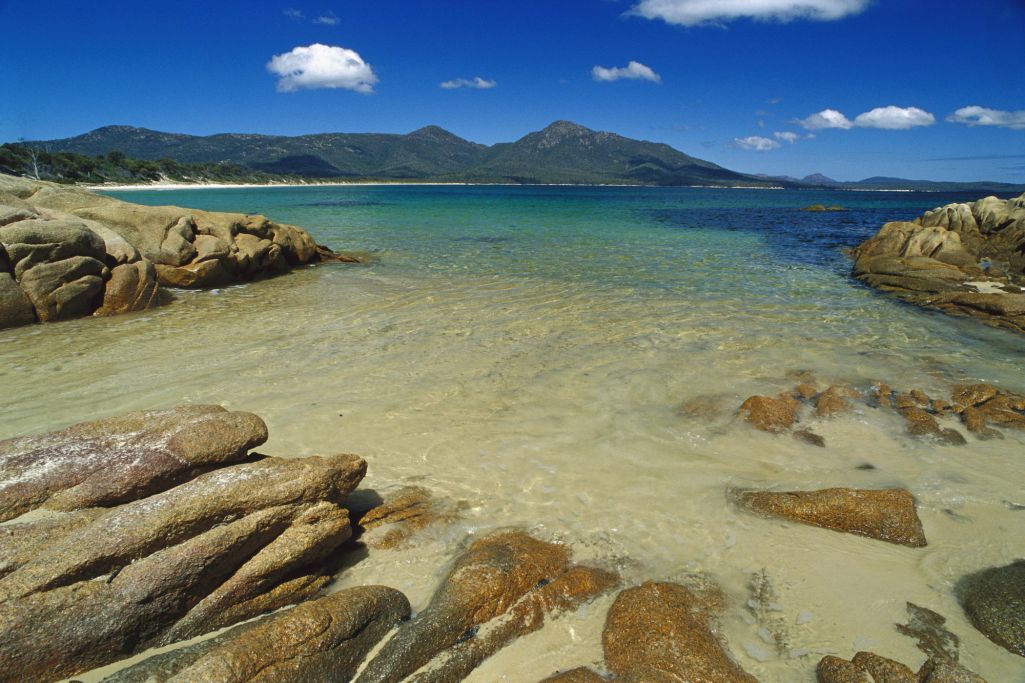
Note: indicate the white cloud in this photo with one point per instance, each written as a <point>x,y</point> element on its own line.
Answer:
<point>294,14</point>
<point>756,143</point>
<point>786,136</point>
<point>478,82</point>
<point>698,12</point>
<point>827,118</point>
<point>886,118</point>
<point>329,19</point>
<point>634,71</point>
<point>984,116</point>
<point>322,66</point>
<point>894,118</point>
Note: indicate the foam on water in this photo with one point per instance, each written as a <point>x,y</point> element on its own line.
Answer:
<point>527,350</point>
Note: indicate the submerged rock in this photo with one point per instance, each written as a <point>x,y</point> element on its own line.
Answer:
<point>930,634</point>
<point>868,667</point>
<point>123,458</point>
<point>661,632</point>
<point>770,414</point>
<point>922,423</point>
<point>940,670</point>
<point>809,437</point>
<point>510,575</point>
<point>821,208</point>
<point>579,675</point>
<point>973,394</point>
<point>401,515</point>
<point>1005,410</point>
<point>884,514</point>
<point>994,600</point>
<point>322,640</point>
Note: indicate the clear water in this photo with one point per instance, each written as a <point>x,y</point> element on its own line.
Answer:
<point>526,350</point>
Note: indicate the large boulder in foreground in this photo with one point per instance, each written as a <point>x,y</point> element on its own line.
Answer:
<point>506,583</point>
<point>123,458</point>
<point>885,514</point>
<point>966,259</point>
<point>994,600</point>
<point>75,253</point>
<point>661,632</point>
<point>227,546</point>
<point>322,640</point>
<point>15,307</point>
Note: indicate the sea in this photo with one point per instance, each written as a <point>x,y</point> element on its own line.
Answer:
<point>526,353</point>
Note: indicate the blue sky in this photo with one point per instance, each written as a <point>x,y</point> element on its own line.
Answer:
<point>738,82</point>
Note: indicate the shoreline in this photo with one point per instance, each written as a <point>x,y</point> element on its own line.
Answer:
<point>165,186</point>
<point>170,186</point>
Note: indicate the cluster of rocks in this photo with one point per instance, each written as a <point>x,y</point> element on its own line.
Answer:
<point>993,599</point>
<point>980,408</point>
<point>158,527</point>
<point>868,667</point>
<point>66,253</point>
<point>966,259</point>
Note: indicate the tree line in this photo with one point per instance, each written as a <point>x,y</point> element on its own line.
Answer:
<point>115,167</point>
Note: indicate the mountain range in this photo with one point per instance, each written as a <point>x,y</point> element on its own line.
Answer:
<point>564,152</point>
<point>887,184</point>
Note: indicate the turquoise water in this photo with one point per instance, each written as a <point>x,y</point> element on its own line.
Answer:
<point>526,351</point>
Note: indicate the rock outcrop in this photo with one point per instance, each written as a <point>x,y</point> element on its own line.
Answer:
<point>322,640</point>
<point>123,458</point>
<point>966,259</point>
<point>994,600</point>
<point>502,587</point>
<point>884,514</point>
<point>65,252</point>
<point>202,535</point>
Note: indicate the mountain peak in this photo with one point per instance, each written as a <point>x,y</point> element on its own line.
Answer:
<point>818,179</point>
<point>437,134</point>
<point>430,131</point>
<point>566,128</point>
<point>117,130</point>
<point>558,133</point>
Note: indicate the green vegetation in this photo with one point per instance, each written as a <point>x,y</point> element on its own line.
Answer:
<point>115,167</point>
<point>563,152</point>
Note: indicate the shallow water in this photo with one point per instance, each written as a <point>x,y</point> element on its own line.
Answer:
<point>527,350</point>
